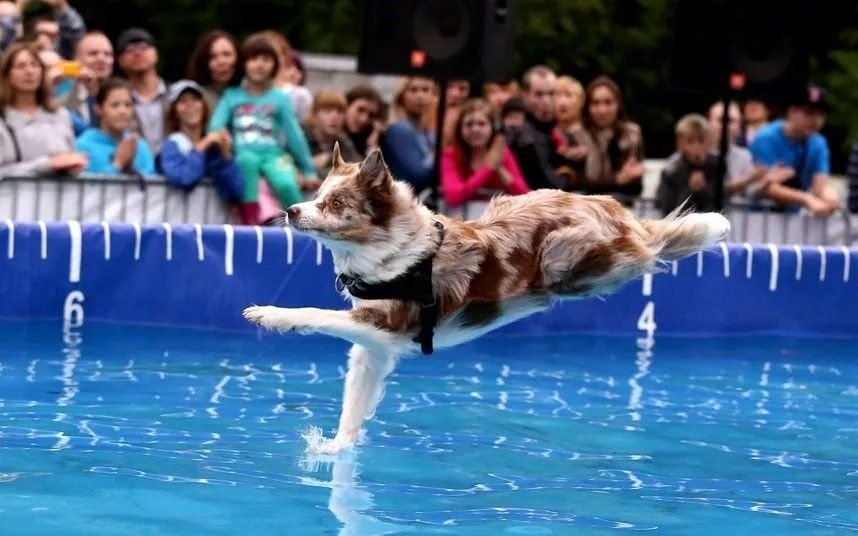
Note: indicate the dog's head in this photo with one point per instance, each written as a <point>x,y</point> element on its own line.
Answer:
<point>355,203</point>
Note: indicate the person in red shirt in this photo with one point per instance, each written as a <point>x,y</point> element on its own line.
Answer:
<point>478,164</point>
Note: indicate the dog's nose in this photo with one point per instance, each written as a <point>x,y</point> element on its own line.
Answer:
<point>293,212</point>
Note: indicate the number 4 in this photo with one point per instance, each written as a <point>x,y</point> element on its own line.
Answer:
<point>646,322</point>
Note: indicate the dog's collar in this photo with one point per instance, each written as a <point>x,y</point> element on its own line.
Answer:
<point>413,285</point>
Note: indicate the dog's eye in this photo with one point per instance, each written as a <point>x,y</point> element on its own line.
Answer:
<point>336,204</point>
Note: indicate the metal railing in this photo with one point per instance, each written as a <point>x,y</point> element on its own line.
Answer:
<point>109,198</point>
<point>766,222</point>
<point>91,198</point>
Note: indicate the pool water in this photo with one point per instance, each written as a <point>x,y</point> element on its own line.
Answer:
<point>140,430</point>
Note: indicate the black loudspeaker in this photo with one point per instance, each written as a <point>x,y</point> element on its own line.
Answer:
<point>759,48</point>
<point>441,39</point>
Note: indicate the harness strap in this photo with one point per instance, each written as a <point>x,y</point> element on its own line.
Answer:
<point>414,285</point>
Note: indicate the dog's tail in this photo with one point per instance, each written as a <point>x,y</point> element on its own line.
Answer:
<point>681,233</point>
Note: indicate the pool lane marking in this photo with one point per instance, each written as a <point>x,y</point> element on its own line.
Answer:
<point>200,251</point>
<point>106,231</point>
<point>749,267</point>
<point>822,262</point>
<point>798,260</point>
<point>846,261</point>
<point>773,274</point>
<point>258,244</point>
<point>137,239</point>
<point>10,253</point>
<point>169,230</point>
<point>647,285</point>
<point>288,245</point>
<point>227,255</point>
<point>75,251</point>
<point>725,252</point>
<point>318,253</point>
<point>43,229</point>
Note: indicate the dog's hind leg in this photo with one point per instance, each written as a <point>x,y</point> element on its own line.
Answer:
<point>364,389</point>
<point>588,261</point>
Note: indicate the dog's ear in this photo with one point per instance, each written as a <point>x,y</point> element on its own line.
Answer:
<point>373,171</point>
<point>336,158</point>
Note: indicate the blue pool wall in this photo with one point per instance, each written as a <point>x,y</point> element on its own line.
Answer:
<point>204,276</point>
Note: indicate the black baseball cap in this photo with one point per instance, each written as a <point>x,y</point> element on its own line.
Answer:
<point>811,98</point>
<point>131,36</point>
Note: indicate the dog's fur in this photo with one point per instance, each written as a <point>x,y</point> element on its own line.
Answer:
<point>522,254</point>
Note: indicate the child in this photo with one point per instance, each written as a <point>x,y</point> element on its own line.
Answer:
<point>691,171</point>
<point>261,121</point>
<point>326,127</point>
<point>187,155</point>
<point>112,148</point>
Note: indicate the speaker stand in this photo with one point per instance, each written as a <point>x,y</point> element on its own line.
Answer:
<point>723,147</point>
<point>435,186</point>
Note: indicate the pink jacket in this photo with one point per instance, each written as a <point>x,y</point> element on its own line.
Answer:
<point>458,189</point>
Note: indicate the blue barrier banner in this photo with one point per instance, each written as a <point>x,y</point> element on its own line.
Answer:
<point>204,276</point>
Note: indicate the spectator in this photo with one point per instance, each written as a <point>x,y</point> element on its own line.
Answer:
<point>498,93</point>
<point>264,130</point>
<point>568,103</point>
<point>113,148</point>
<point>214,65</point>
<point>189,154</point>
<point>11,27</point>
<point>290,75</point>
<point>409,143</point>
<point>691,172</point>
<point>59,30</point>
<point>138,59</point>
<point>478,160</point>
<point>532,143</point>
<point>614,163</point>
<point>756,116</point>
<point>36,138</point>
<point>363,118</point>
<point>796,156</point>
<point>55,74</point>
<point>852,174</point>
<point>95,55</point>
<point>295,84</point>
<point>326,128</point>
<point>742,178</point>
<point>513,114</point>
<point>457,93</point>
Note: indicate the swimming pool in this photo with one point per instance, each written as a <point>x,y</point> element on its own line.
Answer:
<point>111,429</point>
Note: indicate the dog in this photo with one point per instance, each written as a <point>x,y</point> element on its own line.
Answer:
<point>419,281</point>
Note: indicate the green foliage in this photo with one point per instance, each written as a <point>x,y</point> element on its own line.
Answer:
<point>840,78</point>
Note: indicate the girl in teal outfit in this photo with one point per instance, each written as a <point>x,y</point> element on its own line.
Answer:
<point>265,130</point>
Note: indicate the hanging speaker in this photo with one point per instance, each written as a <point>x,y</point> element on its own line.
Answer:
<point>443,39</point>
<point>761,44</point>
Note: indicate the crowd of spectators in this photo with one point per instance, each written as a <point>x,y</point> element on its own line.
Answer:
<point>74,101</point>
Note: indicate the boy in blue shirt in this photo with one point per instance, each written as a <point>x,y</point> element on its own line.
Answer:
<point>796,156</point>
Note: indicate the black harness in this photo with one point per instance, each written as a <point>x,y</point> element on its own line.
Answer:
<point>414,285</point>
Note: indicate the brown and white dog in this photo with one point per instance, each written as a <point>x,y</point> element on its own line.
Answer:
<point>522,254</point>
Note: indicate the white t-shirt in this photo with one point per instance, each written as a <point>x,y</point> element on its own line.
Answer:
<point>302,100</point>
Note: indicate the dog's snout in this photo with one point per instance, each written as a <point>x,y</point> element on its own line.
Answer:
<point>293,212</point>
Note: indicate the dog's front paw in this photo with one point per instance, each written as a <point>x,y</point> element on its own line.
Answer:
<point>270,317</point>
